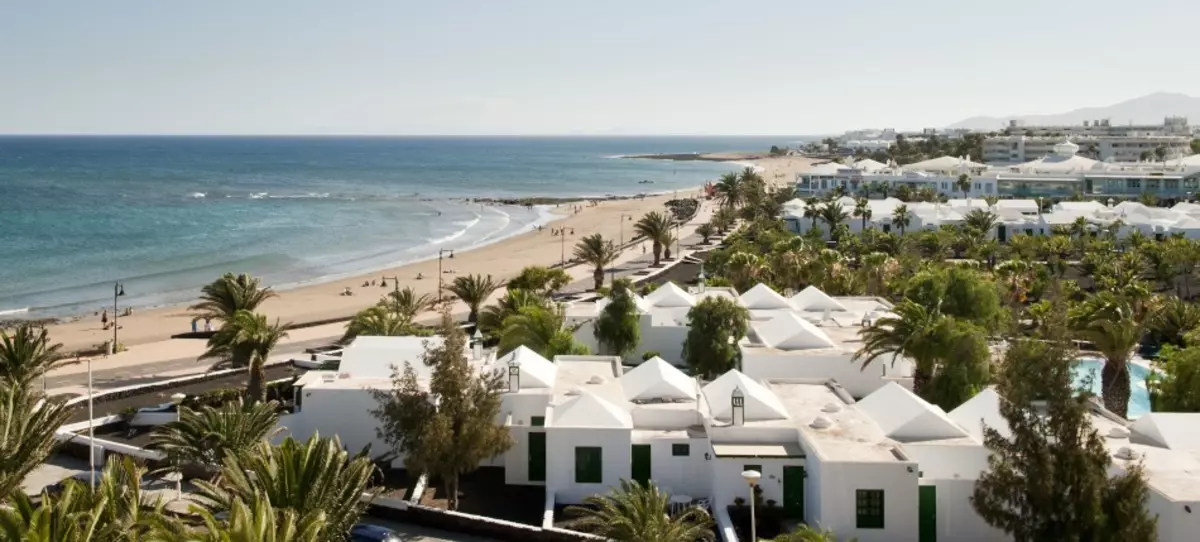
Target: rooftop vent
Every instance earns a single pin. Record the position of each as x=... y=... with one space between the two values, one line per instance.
x=1118 y=432
x=575 y=391
x=821 y=422
x=831 y=408
x=1126 y=453
x=596 y=379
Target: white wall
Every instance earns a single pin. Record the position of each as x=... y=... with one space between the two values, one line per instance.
x=666 y=340
x=837 y=490
x=516 y=459
x=560 y=461
x=728 y=483
x=956 y=518
x=1174 y=523
x=679 y=475
x=761 y=365
x=342 y=412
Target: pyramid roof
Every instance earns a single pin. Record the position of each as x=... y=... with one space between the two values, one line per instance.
x=588 y=410
x=980 y=411
x=670 y=296
x=788 y=331
x=536 y=371
x=761 y=403
x=905 y=417
x=657 y=379
x=763 y=297
x=813 y=299
x=1172 y=430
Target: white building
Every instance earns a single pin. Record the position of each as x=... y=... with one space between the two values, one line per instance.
x=887 y=467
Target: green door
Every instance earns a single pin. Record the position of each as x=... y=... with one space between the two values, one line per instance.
x=640 y=470
x=793 y=492
x=537 y=457
x=1002 y=233
x=928 y=514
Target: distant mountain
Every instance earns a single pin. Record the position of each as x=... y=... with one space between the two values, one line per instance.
x=1149 y=109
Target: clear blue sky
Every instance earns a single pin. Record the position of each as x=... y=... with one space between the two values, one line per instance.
x=574 y=67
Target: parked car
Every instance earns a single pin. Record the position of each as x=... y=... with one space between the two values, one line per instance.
x=365 y=532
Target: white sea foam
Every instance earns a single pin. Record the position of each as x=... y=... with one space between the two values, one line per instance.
x=197 y=195
x=259 y=195
x=10 y=312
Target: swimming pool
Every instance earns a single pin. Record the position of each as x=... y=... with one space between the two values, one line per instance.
x=1139 y=397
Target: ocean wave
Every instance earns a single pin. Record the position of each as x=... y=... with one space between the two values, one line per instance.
x=11 y=312
x=259 y=195
x=197 y=195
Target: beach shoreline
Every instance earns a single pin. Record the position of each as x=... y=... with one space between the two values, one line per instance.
x=304 y=303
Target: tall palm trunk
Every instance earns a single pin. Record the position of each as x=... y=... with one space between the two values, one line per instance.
x=598 y=277
x=256 y=391
x=1115 y=386
x=657 y=246
x=920 y=381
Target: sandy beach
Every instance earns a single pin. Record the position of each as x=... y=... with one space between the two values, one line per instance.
x=502 y=260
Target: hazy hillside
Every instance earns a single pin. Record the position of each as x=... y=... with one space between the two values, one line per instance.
x=1149 y=109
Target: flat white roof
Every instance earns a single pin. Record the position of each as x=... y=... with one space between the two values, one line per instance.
x=853 y=435
x=374 y=357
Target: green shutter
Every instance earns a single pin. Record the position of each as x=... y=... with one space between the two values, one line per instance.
x=681 y=450
x=927 y=514
x=869 y=508
x=752 y=467
x=588 y=468
x=537 y=421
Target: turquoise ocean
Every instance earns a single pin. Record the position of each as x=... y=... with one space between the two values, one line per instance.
x=164 y=215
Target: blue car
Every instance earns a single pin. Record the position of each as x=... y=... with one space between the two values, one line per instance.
x=365 y=532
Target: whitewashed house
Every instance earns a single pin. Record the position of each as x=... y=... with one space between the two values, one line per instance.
x=662 y=320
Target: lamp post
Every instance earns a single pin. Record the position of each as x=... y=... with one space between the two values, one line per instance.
x=177 y=399
x=623 y=216
x=441 y=252
x=752 y=477
x=562 y=249
x=118 y=291
x=91 y=429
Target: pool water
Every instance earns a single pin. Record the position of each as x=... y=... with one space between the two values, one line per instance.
x=1088 y=372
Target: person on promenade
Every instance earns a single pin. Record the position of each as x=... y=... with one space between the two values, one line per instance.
x=104 y=319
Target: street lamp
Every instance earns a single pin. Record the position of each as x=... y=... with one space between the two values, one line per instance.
x=177 y=399
x=562 y=248
x=752 y=477
x=395 y=287
x=91 y=427
x=623 y=217
x=118 y=291
x=442 y=252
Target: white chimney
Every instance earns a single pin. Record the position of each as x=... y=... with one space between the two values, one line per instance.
x=477 y=345
x=514 y=376
x=739 y=407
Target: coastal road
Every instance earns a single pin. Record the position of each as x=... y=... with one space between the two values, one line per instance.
x=154 y=371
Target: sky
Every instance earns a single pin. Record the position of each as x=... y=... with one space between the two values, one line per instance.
x=616 y=67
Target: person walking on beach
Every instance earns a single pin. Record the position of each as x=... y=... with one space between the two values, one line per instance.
x=208 y=325
x=104 y=318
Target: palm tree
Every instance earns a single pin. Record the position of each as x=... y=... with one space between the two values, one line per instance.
x=27 y=426
x=246 y=339
x=638 y=513
x=724 y=219
x=963 y=184
x=862 y=209
x=706 y=231
x=255 y=522
x=981 y=221
x=473 y=290
x=406 y=303
x=541 y=329
x=205 y=437
x=833 y=214
x=377 y=321
x=729 y=190
x=224 y=297
x=915 y=332
x=1108 y=322
x=117 y=510
x=26 y=355
x=1172 y=318
x=317 y=475
x=812 y=211
x=598 y=252
x=901 y=217
x=491 y=318
x=656 y=227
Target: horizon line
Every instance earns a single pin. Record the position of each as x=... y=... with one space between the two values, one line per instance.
x=434 y=135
